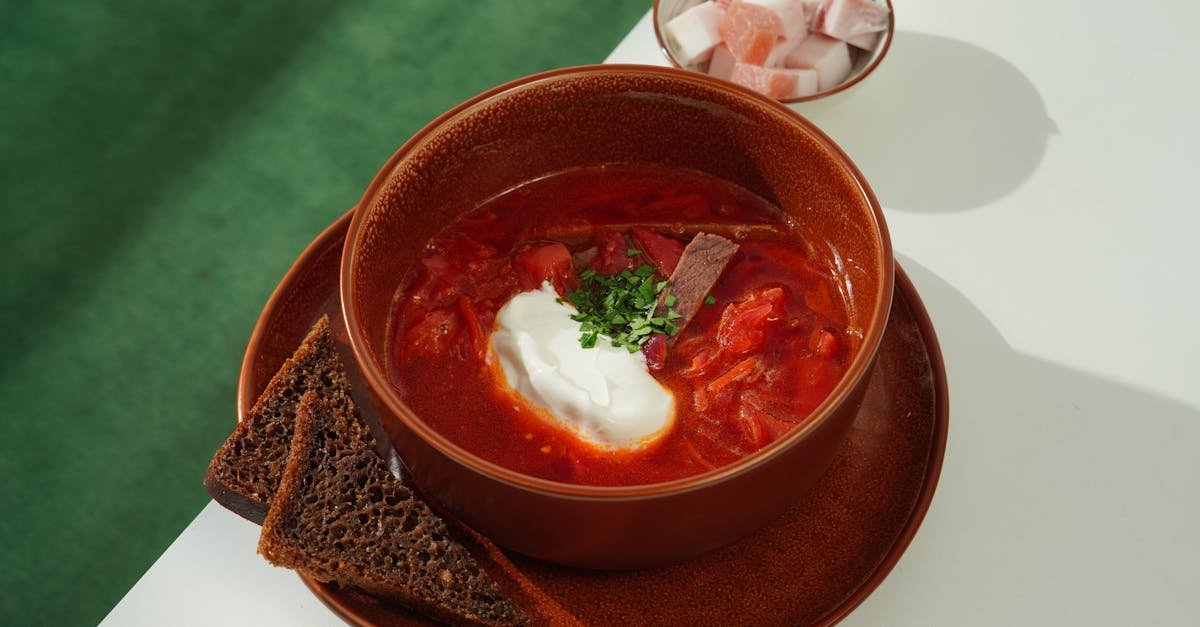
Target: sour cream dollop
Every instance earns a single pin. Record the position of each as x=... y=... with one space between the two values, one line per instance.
x=604 y=394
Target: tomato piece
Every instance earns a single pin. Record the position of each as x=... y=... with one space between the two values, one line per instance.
x=434 y=334
x=699 y=362
x=743 y=324
x=492 y=277
x=823 y=343
x=773 y=414
x=752 y=427
x=440 y=267
x=655 y=350
x=613 y=255
x=423 y=290
x=663 y=251
x=816 y=378
x=548 y=262
x=474 y=327
x=741 y=329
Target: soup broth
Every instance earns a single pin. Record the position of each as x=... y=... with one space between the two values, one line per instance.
x=770 y=344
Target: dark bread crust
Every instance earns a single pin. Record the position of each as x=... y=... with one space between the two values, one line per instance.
x=245 y=471
x=540 y=607
x=340 y=515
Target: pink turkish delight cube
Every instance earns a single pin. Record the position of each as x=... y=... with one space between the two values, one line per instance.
x=811 y=9
x=791 y=16
x=828 y=56
x=796 y=28
x=750 y=30
x=782 y=83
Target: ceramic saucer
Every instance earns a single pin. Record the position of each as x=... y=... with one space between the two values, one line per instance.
x=813 y=565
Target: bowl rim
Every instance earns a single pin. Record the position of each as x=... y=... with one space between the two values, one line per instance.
x=383 y=391
x=884 y=45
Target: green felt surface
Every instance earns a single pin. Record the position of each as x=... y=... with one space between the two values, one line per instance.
x=161 y=165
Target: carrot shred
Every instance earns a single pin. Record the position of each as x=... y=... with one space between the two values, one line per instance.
x=700 y=399
x=700 y=360
x=697 y=456
x=738 y=371
x=473 y=327
x=753 y=427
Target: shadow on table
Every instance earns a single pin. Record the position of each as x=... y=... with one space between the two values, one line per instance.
x=1053 y=474
x=942 y=125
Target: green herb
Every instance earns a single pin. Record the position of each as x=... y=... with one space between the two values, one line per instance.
x=709 y=300
x=633 y=252
x=623 y=307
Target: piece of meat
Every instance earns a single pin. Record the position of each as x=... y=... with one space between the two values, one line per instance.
x=695 y=32
x=828 y=56
x=702 y=262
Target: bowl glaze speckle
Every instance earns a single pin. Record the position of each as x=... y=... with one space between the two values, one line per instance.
x=589 y=116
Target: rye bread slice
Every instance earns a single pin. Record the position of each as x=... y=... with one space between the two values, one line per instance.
x=340 y=515
x=245 y=471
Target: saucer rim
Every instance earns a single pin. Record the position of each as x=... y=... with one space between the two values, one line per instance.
x=920 y=506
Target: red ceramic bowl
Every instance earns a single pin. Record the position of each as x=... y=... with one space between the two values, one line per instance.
x=865 y=61
x=589 y=116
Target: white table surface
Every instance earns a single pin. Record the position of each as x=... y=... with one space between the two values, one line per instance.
x=1037 y=163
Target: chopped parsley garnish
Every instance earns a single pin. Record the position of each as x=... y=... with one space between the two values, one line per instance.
x=632 y=252
x=709 y=300
x=621 y=306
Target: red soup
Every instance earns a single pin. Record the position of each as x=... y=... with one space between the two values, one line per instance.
x=769 y=343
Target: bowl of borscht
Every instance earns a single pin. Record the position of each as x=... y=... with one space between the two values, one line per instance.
x=616 y=316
